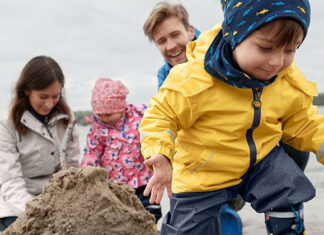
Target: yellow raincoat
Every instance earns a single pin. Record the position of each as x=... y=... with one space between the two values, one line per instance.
x=207 y=122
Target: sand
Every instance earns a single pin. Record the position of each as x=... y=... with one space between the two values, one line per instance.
x=83 y=201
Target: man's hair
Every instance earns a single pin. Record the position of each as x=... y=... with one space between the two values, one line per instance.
x=162 y=11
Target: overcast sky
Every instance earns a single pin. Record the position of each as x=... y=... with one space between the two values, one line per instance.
x=104 y=38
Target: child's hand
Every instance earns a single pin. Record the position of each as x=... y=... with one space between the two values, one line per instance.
x=161 y=178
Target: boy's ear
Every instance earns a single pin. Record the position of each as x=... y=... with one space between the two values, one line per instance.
x=27 y=93
x=191 y=32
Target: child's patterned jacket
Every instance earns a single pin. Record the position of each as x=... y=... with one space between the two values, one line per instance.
x=116 y=147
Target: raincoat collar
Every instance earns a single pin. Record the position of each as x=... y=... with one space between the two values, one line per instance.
x=220 y=64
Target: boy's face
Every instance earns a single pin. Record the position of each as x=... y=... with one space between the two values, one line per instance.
x=258 y=55
x=171 y=38
x=111 y=118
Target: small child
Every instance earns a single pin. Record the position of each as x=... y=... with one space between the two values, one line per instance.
x=225 y=112
x=113 y=141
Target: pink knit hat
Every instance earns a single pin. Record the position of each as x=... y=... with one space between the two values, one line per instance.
x=108 y=96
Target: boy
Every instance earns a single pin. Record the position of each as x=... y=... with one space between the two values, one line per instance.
x=228 y=107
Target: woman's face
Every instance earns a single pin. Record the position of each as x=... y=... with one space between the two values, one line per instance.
x=43 y=101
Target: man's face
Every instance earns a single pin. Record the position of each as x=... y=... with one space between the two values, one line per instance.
x=171 y=38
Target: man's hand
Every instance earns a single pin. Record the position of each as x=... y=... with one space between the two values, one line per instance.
x=162 y=177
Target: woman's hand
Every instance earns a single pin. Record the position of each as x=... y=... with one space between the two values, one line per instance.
x=161 y=179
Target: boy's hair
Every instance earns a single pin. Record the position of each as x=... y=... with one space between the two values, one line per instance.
x=162 y=11
x=288 y=32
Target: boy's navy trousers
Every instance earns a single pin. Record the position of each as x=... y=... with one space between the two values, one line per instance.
x=275 y=182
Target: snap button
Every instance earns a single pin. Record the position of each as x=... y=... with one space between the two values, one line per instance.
x=256 y=104
x=52 y=153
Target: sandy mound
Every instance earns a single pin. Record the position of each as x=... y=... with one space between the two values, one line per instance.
x=82 y=201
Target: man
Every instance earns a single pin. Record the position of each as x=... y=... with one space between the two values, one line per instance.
x=168 y=26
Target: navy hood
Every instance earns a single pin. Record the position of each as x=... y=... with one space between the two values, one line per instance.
x=241 y=18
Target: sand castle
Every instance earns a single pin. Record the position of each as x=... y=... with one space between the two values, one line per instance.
x=83 y=201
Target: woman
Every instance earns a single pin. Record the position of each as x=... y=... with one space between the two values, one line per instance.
x=31 y=136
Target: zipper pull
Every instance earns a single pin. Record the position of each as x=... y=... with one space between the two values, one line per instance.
x=256 y=98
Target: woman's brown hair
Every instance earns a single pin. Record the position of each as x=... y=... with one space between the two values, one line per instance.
x=38 y=74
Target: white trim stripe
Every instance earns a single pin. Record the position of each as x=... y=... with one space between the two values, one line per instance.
x=145 y=133
x=203 y=164
x=320 y=151
x=142 y=136
x=276 y=214
x=153 y=206
x=171 y=133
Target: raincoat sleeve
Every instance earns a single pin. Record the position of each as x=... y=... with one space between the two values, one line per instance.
x=303 y=127
x=12 y=184
x=94 y=148
x=305 y=130
x=168 y=113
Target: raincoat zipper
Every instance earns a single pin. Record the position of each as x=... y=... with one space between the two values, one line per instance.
x=256 y=104
x=48 y=130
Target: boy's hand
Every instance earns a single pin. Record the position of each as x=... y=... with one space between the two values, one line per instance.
x=161 y=178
